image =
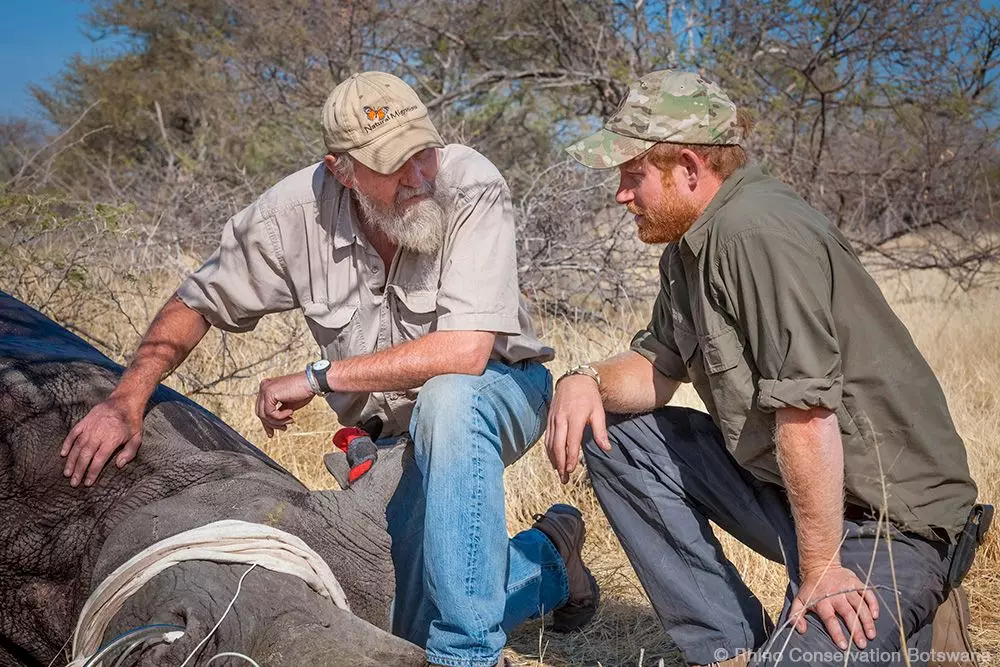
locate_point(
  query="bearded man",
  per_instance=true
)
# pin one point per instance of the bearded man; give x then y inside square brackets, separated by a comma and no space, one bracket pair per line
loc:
[827,440]
[400,253]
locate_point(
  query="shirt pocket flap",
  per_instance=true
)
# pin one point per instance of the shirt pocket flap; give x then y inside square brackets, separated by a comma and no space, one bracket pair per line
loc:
[687,343]
[417,301]
[722,350]
[330,316]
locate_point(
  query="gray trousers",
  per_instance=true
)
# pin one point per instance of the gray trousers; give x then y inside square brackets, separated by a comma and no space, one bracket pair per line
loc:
[668,474]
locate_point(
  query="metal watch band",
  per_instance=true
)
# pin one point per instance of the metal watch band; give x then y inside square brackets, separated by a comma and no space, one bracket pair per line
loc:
[311,379]
[583,369]
[321,380]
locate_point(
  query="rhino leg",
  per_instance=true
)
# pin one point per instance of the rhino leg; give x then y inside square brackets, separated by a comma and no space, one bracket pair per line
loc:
[277,620]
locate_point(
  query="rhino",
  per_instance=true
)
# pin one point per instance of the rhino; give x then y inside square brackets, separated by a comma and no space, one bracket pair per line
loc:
[60,542]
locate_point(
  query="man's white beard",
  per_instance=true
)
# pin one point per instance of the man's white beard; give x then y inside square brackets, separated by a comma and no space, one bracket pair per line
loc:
[418,227]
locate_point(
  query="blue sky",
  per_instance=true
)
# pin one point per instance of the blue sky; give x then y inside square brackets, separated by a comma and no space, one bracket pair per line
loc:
[37,37]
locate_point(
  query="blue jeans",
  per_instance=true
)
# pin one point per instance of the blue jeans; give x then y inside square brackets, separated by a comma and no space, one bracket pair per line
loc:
[461,582]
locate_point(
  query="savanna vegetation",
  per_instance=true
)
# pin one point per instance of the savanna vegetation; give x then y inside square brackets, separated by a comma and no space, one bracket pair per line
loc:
[883,114]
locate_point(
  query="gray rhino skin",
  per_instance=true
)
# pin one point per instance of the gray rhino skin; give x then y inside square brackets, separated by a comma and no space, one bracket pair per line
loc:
[57,542]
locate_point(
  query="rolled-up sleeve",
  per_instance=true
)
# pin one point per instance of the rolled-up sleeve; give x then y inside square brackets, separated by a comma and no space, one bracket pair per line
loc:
[778,289]
[478,288]
[245,278]
[656,342]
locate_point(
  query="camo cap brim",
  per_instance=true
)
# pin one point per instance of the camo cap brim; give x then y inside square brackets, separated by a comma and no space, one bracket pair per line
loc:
[663,106]
[606,149]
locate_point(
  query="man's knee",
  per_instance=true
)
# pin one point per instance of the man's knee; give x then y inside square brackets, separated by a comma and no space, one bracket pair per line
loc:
[595,457]
[648,436]
[446,395]
[624,432]
[602,464]
[445,413]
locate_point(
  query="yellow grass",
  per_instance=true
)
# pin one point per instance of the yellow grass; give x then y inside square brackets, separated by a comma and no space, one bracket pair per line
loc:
[958,332]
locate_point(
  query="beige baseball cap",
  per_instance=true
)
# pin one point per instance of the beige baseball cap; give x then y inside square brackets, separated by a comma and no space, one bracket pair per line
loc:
[378,120]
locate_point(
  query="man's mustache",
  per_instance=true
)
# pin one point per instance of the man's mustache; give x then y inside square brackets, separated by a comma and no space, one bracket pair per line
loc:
[406,193]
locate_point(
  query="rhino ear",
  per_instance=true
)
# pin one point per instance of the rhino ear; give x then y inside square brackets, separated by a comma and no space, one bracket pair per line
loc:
[383,478]
[336,465]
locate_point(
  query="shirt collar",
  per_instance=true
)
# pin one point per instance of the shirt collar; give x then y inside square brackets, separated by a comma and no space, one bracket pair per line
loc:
[345,228]
[694,237]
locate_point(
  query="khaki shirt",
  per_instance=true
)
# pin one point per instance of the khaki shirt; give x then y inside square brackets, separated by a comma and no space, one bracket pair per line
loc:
[764,305]
[299,246]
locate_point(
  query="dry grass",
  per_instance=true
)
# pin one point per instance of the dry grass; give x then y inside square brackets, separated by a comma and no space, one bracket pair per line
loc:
[958,332]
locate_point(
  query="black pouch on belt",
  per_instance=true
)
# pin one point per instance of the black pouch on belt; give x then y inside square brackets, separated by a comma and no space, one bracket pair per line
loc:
[972,535]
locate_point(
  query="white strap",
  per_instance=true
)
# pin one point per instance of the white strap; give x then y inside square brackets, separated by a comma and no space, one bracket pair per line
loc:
[226,541]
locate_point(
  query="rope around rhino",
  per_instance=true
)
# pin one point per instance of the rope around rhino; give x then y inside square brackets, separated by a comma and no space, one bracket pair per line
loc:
[228,541]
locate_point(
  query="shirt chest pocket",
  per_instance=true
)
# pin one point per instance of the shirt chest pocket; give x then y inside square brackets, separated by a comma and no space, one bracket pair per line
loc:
[713,353]
[335,327]
[722,350]
[414,313]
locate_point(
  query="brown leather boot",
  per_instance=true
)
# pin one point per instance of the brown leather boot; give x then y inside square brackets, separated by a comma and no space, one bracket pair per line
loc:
[950,633]
[563,525]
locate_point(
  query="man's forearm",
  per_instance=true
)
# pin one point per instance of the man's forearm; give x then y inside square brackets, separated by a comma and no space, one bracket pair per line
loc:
[412,363]
[171,336]
[630,384]
[811,461]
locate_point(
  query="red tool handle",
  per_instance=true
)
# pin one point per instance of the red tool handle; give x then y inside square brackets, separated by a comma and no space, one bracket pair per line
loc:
[360,450]
[342,438]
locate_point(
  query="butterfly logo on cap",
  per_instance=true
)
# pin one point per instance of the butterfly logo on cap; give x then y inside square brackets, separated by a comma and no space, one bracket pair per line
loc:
[376,113]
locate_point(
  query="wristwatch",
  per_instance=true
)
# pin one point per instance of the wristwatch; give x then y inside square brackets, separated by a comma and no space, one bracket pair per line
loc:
[583,369]
[316,377]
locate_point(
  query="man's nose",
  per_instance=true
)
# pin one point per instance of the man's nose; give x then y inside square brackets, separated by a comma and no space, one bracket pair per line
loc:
[413,175]
[624,195]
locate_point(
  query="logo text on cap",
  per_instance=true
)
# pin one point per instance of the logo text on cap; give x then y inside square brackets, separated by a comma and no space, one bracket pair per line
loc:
[384,115]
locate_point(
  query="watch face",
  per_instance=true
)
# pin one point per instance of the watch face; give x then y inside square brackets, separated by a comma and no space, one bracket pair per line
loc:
[321,365]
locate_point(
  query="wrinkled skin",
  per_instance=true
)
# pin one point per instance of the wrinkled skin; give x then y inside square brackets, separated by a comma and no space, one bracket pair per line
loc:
[59,542]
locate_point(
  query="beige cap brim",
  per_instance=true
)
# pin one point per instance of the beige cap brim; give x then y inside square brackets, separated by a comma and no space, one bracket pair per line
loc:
[605,149]
[390,151]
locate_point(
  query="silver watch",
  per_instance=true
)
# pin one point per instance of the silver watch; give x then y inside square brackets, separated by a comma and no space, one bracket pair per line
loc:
[316,377]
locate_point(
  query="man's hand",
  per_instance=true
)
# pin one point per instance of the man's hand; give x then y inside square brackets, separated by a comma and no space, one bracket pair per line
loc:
[93,440]
[117,421]
[837,592]
[629,384]
[577,402]
[279,397]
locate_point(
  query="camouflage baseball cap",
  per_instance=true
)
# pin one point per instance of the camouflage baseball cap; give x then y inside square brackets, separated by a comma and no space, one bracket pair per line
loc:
[664,106]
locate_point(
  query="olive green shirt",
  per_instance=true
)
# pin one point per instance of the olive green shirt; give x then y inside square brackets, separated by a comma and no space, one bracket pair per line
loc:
[764,305]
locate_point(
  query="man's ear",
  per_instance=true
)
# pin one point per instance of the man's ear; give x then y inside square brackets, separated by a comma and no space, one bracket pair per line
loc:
[330,160]
[693,167]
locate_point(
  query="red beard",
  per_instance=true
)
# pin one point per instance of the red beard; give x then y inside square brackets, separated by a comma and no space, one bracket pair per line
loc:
[667,219]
